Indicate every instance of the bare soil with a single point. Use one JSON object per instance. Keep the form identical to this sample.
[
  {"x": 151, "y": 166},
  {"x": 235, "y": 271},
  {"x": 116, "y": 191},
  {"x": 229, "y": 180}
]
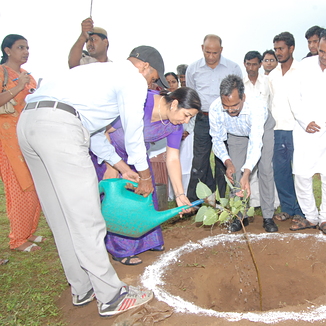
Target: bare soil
[{"x": 222, "y": 277}]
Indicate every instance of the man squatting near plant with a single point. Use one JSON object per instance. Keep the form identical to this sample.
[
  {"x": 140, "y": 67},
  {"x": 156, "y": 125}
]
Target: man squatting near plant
[{"x": 248, "y": 128}]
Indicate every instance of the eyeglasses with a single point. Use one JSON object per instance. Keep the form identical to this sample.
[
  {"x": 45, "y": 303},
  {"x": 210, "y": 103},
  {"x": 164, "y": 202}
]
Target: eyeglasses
[{"x": 269, "y": 60}]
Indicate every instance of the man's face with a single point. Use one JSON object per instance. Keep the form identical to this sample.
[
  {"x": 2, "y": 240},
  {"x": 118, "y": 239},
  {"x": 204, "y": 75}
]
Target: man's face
[
  {"x": 182, "y": 79},
  {"x": 233, "y": 104},
  {"x": 322, "y": 53},
  {"x": 269, "y": 63},
  {"x": 282, "y": 51},
  {"x": 212, "y": 52},
  {"x": 252, "y": 66},
  {"x": 313, "y": 43},
  {"x": 151, "y": 76},
  {"x": 96, "y": 46}
]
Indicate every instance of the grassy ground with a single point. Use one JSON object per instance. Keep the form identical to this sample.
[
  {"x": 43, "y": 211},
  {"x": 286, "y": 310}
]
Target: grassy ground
[{"x": 31, "y": 282}]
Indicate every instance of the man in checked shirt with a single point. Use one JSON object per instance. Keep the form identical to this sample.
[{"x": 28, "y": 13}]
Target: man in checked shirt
[{"x": 248, "y": 128}]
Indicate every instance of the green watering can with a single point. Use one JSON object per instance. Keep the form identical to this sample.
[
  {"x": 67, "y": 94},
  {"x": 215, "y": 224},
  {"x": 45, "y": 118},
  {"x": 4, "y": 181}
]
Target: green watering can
[{"x": 129, "y": 214}]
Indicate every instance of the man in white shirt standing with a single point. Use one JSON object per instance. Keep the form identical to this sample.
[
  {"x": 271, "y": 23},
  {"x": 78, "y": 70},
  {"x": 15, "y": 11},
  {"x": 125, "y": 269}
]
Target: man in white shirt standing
[
  {"x": 309, "y": 135},
  {"x": 61, "y": 120},
  {"x": 279, "y": 83},
  {"x": 255, "y": 86},
  {"x": 252, "y": 124},
  {"x": 205, "y": 76},
  {"x": 269, "y": 61}
]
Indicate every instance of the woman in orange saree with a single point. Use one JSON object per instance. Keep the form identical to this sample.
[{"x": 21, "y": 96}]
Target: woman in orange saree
[{"x": 22, "y": 204}]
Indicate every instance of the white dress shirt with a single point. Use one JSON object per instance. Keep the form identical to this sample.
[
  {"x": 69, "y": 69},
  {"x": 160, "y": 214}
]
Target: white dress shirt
[
  {"x": 101, "y": 92},
  {"x": 307, "y": 103},
  {"x": 279, "y": 88},
  {"x": 260, "y": 88},
  {"x": 250, "y": 123}
]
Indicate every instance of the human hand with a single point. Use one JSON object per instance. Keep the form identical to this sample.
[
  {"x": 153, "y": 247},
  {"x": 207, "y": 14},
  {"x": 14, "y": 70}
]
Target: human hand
[
  {"x": 245, "y": 186},
  {"x": 87, "y": 26},
  {"x": 145, "y": 187},
  {"x": 230, "y": 170},
  {"x": 23, "y": 80},
  {"x": 312, "y": 127},
  {"x": 183, "y": 200},
  {"x": 130, "y": 175}
]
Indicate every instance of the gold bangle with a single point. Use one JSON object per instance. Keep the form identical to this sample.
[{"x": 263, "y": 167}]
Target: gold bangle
[{"x": 11, "y": 93}]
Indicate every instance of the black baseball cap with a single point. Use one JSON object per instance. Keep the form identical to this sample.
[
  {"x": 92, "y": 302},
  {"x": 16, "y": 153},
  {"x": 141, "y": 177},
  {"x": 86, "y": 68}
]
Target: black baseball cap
[{"x": 153, "y": 57}]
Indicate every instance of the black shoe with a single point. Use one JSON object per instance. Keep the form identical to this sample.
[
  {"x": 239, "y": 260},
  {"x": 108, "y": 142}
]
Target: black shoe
[
  {"x": 269, "y": 225},
  {"x": 236, "y": 224}
]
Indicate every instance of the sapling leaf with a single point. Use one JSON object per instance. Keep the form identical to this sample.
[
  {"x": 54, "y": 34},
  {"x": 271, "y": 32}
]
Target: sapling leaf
[
  {"x": 224, "y": 202},
  {"x": 224, "y": 217},
  {"x": 210, "y": 217},
  {"x": 200, "y": 214},
  {"x": 251, "y": 211},
  {"x": 235, "y": 210},
  {"x": 237, "y": 203},
  {"x": 202, "y": 191},
  {"x": 228, "y": 182},
  {"x": 217, "y": 194},
  {"x": 231, "y": 202}
]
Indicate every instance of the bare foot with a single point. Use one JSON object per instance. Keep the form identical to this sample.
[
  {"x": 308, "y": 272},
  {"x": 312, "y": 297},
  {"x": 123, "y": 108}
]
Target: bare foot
[{"x": 28, "y": 247}]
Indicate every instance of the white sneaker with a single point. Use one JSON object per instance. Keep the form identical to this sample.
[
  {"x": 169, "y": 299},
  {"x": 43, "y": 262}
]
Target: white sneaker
[
  {"x": 77, "y": 300},
  {"x": 129, "y": 297}
]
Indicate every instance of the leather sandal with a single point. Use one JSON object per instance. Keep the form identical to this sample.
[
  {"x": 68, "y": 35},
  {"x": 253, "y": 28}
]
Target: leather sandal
[
  {"x": 300, "y": 223},
  {"x": 127, "y": 260}
]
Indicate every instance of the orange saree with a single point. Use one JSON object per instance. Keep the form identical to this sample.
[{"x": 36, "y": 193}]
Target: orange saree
[{"x": 22, "y": 204}]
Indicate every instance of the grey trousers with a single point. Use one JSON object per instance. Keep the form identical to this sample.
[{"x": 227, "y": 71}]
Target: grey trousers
[
  {"x": 55, "y": 146},
  {"x": 238, "y": 152}
]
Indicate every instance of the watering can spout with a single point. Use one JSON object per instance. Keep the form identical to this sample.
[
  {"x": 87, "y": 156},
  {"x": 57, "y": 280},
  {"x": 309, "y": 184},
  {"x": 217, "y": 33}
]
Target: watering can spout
[{"x": 129, "y": 214}]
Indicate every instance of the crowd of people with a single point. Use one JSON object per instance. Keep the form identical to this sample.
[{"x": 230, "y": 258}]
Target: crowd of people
[{"x": 62, "y": 138}]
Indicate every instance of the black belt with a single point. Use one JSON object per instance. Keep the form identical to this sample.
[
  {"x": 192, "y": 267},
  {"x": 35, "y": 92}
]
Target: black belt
[{"x": 52, "y": 104}]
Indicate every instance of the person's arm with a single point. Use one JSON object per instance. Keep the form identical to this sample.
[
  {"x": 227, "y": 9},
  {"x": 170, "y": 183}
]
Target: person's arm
[
  {"x": 6, "y": 96},
  {"x": 175, "y": 174},
  {"x": 257, "y": 119},
  {"x": 218, "y": 131},
  {"x": 77, "y": 49}
]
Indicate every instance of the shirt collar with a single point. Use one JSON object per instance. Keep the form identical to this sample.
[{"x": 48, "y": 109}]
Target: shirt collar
[{"x": 222, "y": 62}]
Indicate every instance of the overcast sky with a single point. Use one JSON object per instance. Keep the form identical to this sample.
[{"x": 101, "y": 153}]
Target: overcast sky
[{"x": 176, "y": 28}]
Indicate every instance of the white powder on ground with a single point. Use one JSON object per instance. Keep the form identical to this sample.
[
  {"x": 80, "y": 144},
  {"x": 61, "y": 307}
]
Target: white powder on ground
[{"x": 152, "y": 279}]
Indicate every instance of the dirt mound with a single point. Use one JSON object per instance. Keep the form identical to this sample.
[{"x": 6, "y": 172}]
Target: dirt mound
[{"x": 223, "y": 277}]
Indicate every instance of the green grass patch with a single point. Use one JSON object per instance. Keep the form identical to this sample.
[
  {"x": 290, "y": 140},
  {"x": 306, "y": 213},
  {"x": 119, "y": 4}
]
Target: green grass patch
[{"x": 31, "y": 282}]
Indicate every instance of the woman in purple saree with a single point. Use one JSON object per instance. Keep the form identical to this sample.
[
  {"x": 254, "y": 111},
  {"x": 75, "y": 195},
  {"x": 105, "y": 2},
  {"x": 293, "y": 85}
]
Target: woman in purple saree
[{"x": 164, "y": 115}]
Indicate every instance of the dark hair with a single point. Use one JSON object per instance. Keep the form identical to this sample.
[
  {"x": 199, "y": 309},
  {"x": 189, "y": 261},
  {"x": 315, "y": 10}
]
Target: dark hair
[
  {"x": 272, "y": 52},
  {"x": 187, "y": 97},
  {"x": 181, "y": 69},
  {"x": 322, "y": 34},
  {"x": 252, "y": 55},
  {"x": 230, "y": 83},
  {"x": 8, "y": 42},
  {"x": 172, "y": 74},
  {"x": 213, "y": 36},
  {"x": 314, "y": 30},
  {"x": 285, "y": 37}
]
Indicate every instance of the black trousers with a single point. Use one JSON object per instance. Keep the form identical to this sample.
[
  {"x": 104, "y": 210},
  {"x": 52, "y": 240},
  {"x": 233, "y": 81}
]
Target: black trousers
[{"x": 201, "y": 169}]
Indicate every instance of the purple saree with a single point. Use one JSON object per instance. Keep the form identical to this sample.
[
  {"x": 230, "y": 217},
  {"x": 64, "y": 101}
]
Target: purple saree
[{"x": 121, "y": 246}]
